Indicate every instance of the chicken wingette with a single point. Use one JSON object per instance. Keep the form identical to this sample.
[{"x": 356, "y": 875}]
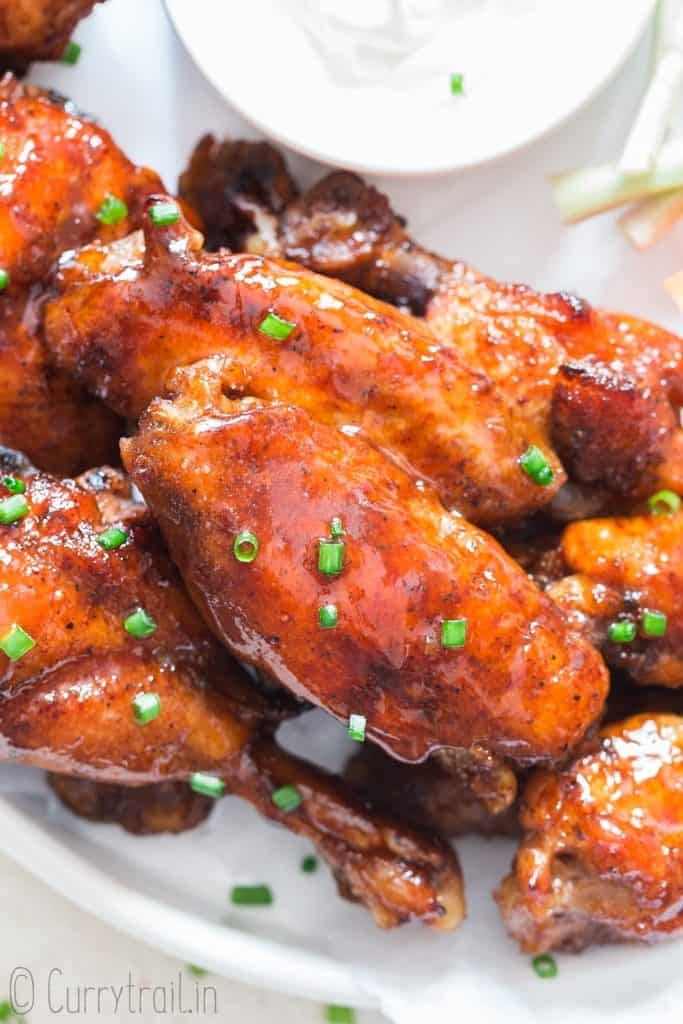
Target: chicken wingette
[
  {"x": 37, "y": 29},
  {"x": 94, "y": 618},
  {"x": 127, "y": 314},
  {"x": 364, "y": 595}
]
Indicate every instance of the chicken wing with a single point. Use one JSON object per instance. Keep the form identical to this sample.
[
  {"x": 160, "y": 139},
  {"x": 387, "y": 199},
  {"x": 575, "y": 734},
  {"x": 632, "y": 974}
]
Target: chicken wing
[
  {"x": 74, "y": 661},
  {"x": 56, "y": 170},
  {"x": 603, "y": 390},
  {"x": 210, "y": 466},
  {"x": 602, "y": 856},
  {"x": 128, "y": 314},
  {"x": 37, "y": 29},
  {"x": 621, "y": 585}
]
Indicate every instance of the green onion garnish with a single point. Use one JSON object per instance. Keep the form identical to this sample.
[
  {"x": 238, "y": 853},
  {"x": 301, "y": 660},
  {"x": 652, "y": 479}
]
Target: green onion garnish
[
  {"x": 2, "y": 150},
  {"x": 276, "y": 326},
  {"x": 14, "y": 485},
  {"x": 536, "y": 466},
  {"x": 654, "y": 623},
  {"x": 545, "y": 965},
  {"x": 112, "y": 538},
  {"x": 16, "y": 642},
  {"x": 457, "y": 84},
  {"x": 71, "y": 53},
  {"x": 199, "y": 972},
  {"x": 251, "y": 895},
  {"x": 6, "y": 1010},
  {"x": 207, "y": 785},
  {"x": 13, "y": 509},
  {"x": 112, "y": 210},
  {"x": 4, "y": 280},
  {"x": 163, "y": 214},
  {"x": 146, "y": 707},
  {"x": 330, "y": 557},
  {"x": 139, "y": 624},
  {"x": 245, "y": 547},
  {"x": 357, "y": 727},
  {"x": 340, "y": 1015},
  {"x": 664, "y": 503},
  {"x": 287, "y": 798},
  {"x": 336, "y": 527},
  {"x": 328, "y": 616},
  {"x": 309, "y": 864},
  {"x": 453, "y": 632},
  {"x": 622, "y": 632}
]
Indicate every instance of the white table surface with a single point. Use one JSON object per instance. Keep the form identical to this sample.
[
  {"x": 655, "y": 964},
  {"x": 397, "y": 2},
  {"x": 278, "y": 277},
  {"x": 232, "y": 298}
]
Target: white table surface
[{"x": 137, "y": 79}]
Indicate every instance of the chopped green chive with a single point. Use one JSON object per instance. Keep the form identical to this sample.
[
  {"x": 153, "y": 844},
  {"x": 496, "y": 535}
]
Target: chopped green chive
[
  {"x": 357, "y": 727},
  {"x": 328, "y": 616},
  {"x": 622, "y": 632},
  {"x": 654, "y": 623},
  {"x": 71, "y": 53},
  {"x": 14, "y": 485},
  {"x": 207, "y": 785},
  {"x": 4, "y": 280},
  {"x": 457, "y": 84},
  {"x": 146, "y": 707},
  {"x": 245, "y": 547},
  {"x": 199, "y": 972},
  {"x": 664, "y": 503},
  {"x": 112, "y": 210},
  {"x": 112, "y": 538},
  {"x": 309, "y": 864},
  {"x": 336, "y": 527},
  {"x": 340, "y": 1015},
  {"x": 2, "y": 150},
  {"x": 251, "y": 895},
  {"x": 16, "y": 642},
  {"x": 535, "y": 465},
  {"x": 276, "y": 326},
  {"x": 330, "y": 557},
  {"x": 545, "y": 965},
  {"x": 139, "y": 624},
  {"x": 453, "y": 632},
  {"x": 163, "y": 214},
  {"x": 287, "y": 798},
  {"x": 13, "y": 509}
]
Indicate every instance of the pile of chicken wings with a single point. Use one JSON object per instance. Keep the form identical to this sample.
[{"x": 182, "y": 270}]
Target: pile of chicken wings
[{"x": 264, "y": 452}]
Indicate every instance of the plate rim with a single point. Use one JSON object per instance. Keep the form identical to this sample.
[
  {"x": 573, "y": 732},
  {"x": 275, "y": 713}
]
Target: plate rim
[
  {"x": 221, "y": 949},
  {"x": 173, "y": 10}
]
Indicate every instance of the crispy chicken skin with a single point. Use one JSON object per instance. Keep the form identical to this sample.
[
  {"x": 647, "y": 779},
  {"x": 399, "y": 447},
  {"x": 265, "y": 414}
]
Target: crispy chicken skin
[
  {"x": 601, "y": 859},
  {"x": 209, "y": 466},
  {"x": 126, "y": 315},
  {"x": 617, "y": 569},
  {"x": 66, "y": 704},
  {"x": 56, "y": 169},
  {"x": 602, "y": 389},
  {"x": 37, "y": 29}
]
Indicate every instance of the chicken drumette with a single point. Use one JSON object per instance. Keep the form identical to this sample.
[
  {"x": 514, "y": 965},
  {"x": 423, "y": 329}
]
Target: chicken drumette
[
  {"x": 602, "y": 856},
  {"x": 67, "y": 700},
  {"x": 414, "y": 579},
  {"x": 603, "y": 390},
  {"x": 56, "y": 171}
]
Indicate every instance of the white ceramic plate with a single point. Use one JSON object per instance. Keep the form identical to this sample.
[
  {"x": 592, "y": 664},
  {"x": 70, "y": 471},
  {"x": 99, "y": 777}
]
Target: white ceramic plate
[{"x": 527, "y": 65}]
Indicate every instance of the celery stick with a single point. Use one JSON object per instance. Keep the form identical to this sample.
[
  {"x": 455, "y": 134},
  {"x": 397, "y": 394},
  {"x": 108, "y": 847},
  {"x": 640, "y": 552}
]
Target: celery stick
[{"x": 650, "y": 219}]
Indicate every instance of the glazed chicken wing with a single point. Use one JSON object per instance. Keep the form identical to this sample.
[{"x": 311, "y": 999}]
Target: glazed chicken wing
[
  {"x": 57, "y": 168},
  {"x": 211, "y": 465},
  {"x": 602, "y": 856},
  {"x": 128, "y": 314},
  {"x": 602, "y": 390},
  {"x": 622, "y": 585},
  {"x": 37, "y": 29},
  {"x": 74, "y": 661}
]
